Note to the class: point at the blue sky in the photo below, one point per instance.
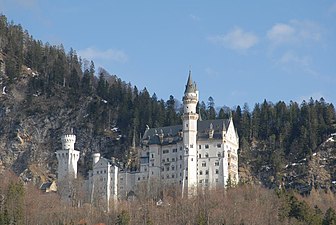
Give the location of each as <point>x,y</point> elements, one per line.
<point>238,51</point>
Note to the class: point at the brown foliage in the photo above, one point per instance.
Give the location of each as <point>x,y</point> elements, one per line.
<point>246,204</point>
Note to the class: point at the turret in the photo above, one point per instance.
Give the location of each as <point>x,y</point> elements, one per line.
<point>68,141</point>
<point>95,157</point>
<point>190,98</point>
<point>189,119</point>
<point>67,158</point>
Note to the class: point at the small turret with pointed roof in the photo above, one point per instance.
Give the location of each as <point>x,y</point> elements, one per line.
<point>191,86</point>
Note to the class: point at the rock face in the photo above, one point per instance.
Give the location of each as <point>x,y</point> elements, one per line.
<point>317,171</point>
<point>30,131</point>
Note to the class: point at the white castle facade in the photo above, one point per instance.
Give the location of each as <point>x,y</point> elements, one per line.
<point>196,154</point>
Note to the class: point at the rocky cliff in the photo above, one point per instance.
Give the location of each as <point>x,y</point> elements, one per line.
<point>31,127</point>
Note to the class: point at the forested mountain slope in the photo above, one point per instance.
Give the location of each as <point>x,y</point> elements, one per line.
<point>47,91</point>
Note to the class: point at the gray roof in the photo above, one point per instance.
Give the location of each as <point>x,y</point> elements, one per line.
<point>45,185</point>
<point>173,134</point>
<point>191,86</point>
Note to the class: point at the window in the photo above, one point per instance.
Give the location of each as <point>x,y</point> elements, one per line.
<point>192,159</point>
<point>216,179</point>
<point>152,164</point>
<point>173,167</point>
<point>175,150</point>
<point>186,125</point>
<point>167,159</point>
<point>206,155</point>
<point>218,154</point>
<point>173,176</point>
<point>165,151</point>
<point>173,159</point>
<point>199,155</point>
<point>203,164</point>
<point>200,147</point>
<point>180,166</point>
<point>201,172</point>
<point>180,148</point>
<point>219,145</point>
<point>206,146</point>
<point>167,168</point>
<point>121,178</point>
<point>163,160</point>
<point>216,163</point>
<point>180,157</point>
<point>207,172</point>
<point>200,181</point>
<point>152,156</point>
<point>217,171</point>
<point>191,146</point>
<point>138,178</point>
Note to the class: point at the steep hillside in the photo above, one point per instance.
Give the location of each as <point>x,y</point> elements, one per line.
<point>46,92</point>
<point>31,128</point>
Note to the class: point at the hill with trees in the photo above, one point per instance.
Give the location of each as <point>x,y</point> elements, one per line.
<point>47,91</point>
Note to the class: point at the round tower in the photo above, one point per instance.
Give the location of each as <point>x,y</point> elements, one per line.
<point>68,141</point>
<point>189,119</point>
<point>95,157</point>
<point>67,158</point>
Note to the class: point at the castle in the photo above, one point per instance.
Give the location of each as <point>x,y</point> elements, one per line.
<point>195,154</point>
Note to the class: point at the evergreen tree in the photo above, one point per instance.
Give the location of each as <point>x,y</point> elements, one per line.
<point>211,109</point>
<point>330,217</point>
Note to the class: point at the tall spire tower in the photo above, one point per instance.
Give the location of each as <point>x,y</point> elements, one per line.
<point>189,119</point>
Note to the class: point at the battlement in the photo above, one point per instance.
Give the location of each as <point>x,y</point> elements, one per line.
<point>68,138</point>
<point>68,141</point>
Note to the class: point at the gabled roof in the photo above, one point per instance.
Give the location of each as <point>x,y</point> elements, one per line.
<point>107,162</point>
<point>173,134</point>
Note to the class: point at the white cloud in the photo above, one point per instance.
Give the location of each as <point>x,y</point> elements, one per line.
<point>281,33</point>
<point>108,55</point>
<point>194,17</point>
<point>291,61</point>
<point>237,39</point>
<point>294,32</point>
<point>291,58</point>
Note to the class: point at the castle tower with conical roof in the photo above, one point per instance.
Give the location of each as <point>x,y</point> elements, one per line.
<point>189,118</point>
